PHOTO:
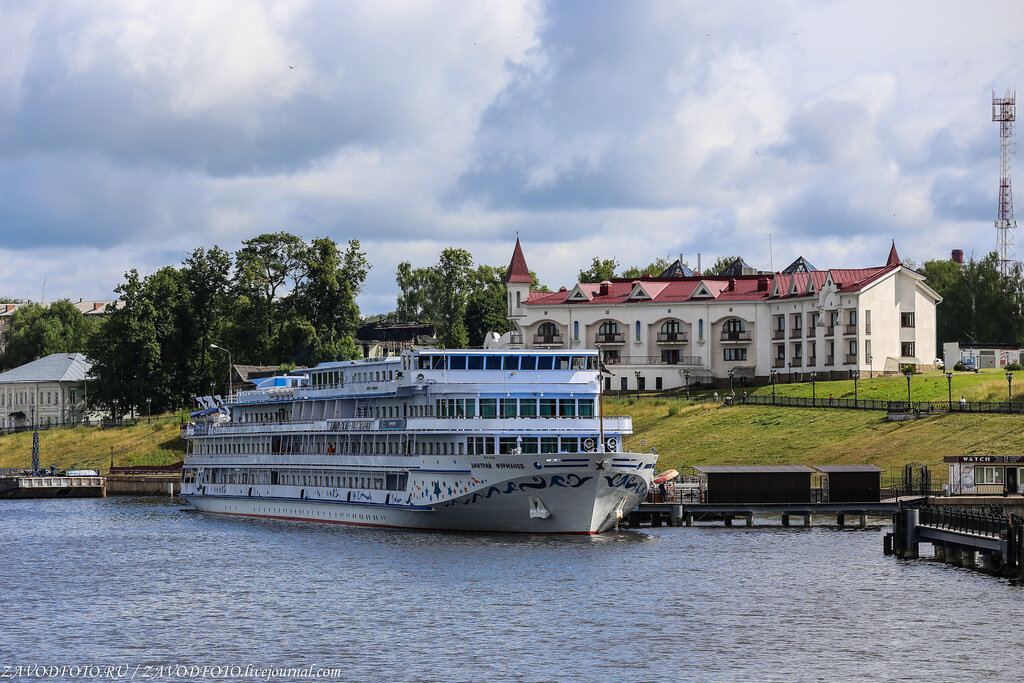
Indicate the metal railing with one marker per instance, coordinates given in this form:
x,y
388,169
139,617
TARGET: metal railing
x,y
734,336
778,334
830,330
547,339
964,521
610,337
779,363
849,329
918,407
694,361
671,337
810,331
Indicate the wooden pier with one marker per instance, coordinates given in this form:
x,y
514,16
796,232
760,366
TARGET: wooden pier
x,y
676,514
962,537
52,487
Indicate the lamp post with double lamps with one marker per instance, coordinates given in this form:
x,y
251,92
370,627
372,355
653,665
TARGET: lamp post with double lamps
x,y
1009,390
774,376
637,375
686,378
732,373
814,376
949,387
856,376
231,386
909,373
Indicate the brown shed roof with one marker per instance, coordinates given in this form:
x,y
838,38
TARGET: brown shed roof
x,y
752,469
825,469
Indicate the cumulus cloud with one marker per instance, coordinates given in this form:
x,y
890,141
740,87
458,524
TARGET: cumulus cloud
x,y
131,132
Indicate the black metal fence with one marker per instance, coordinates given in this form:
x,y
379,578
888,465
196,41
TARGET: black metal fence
x,y
916,407
965,521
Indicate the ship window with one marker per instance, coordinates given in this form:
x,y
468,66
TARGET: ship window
x,y
511,362
530,445
570,444
579,362
549,444
470,407
422,362
528,363
437,362
494,362
458,362
586,407
451,407
567,407
547,407
507,444
508,407
460,407
527,407
545,362
475,362
561,362
488,407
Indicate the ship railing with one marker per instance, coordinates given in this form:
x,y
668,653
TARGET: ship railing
x,y
417,424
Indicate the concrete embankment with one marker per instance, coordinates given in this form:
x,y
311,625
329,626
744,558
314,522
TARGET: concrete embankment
x,y
143,485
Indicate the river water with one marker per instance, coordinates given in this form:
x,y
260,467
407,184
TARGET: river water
x,y
140,584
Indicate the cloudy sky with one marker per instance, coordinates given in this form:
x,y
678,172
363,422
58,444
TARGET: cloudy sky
x,y
131,132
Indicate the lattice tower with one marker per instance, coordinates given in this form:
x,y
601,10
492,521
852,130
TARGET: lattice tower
x,y
1004,111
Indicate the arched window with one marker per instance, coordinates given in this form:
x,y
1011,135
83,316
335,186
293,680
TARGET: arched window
x,y
670,327
547,330
519,299
734,325
638,330
700,329
576,330
608,327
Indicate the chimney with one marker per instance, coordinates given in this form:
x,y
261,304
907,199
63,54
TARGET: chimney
x,y
605,288
97,305
698,263
732,285
958,256
762,284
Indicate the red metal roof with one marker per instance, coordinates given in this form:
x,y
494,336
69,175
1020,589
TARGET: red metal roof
x,y
894,258
517,270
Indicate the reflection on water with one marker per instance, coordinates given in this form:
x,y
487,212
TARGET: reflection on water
x,y
139,581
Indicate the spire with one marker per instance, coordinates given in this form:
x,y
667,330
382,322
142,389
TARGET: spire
x,y
517,269
894,258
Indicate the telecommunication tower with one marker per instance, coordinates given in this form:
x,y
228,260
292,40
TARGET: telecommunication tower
x,y
1004,111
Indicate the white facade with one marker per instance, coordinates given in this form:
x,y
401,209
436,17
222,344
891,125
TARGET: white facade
x,y
662,333
47,392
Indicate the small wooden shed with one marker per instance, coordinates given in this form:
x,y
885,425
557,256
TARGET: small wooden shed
x,y
757,484
851,483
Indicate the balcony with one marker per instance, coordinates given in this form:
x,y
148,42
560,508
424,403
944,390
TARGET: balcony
x,y
610,338
547,340
515,338
796,333
779,363
778,334
810,331
830,360
830,330
850,359
671,337
796,361
671,359
849,330
812,361
734,336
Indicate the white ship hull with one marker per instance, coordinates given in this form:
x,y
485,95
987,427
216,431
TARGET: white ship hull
x,y
588,497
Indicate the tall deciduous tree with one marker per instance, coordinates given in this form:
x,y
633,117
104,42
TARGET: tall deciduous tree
x,y
599,271
36,331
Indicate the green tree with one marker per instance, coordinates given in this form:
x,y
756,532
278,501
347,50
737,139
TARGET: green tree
x,y
205,278
449,281
655,267
721,263
486,304
599,271
36,331
124,352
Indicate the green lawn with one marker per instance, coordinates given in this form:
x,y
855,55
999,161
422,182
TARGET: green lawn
x,y
985,385
766,435
90,448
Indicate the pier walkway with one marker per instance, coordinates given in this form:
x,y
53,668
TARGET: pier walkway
x,y
962,537
52,487
676,514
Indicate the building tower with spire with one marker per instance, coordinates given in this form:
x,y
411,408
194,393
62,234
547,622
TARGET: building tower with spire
x,y
1004,112
517,282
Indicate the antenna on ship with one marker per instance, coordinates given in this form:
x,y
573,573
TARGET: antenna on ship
x,y
600,399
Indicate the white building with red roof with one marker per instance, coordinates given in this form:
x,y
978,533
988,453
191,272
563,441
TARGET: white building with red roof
x,y
662,332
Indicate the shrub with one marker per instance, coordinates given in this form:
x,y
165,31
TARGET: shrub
x,y
673,410
959,367
1014,367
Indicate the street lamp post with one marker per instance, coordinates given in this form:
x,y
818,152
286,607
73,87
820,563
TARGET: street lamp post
x,y
1009,390
231,387
149,410
732,373
908,373
686,377
637,375
774,376
856,376
814,376
949,387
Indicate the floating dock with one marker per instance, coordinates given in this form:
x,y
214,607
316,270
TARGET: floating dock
x,y
52,487
676,514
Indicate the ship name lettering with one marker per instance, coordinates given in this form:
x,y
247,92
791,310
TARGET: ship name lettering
x,y
511,466
480,464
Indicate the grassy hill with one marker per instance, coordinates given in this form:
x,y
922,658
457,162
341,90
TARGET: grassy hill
x,y
766,435
985,385
90,448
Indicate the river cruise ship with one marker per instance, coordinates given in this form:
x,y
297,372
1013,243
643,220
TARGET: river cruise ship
x,y
474,440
